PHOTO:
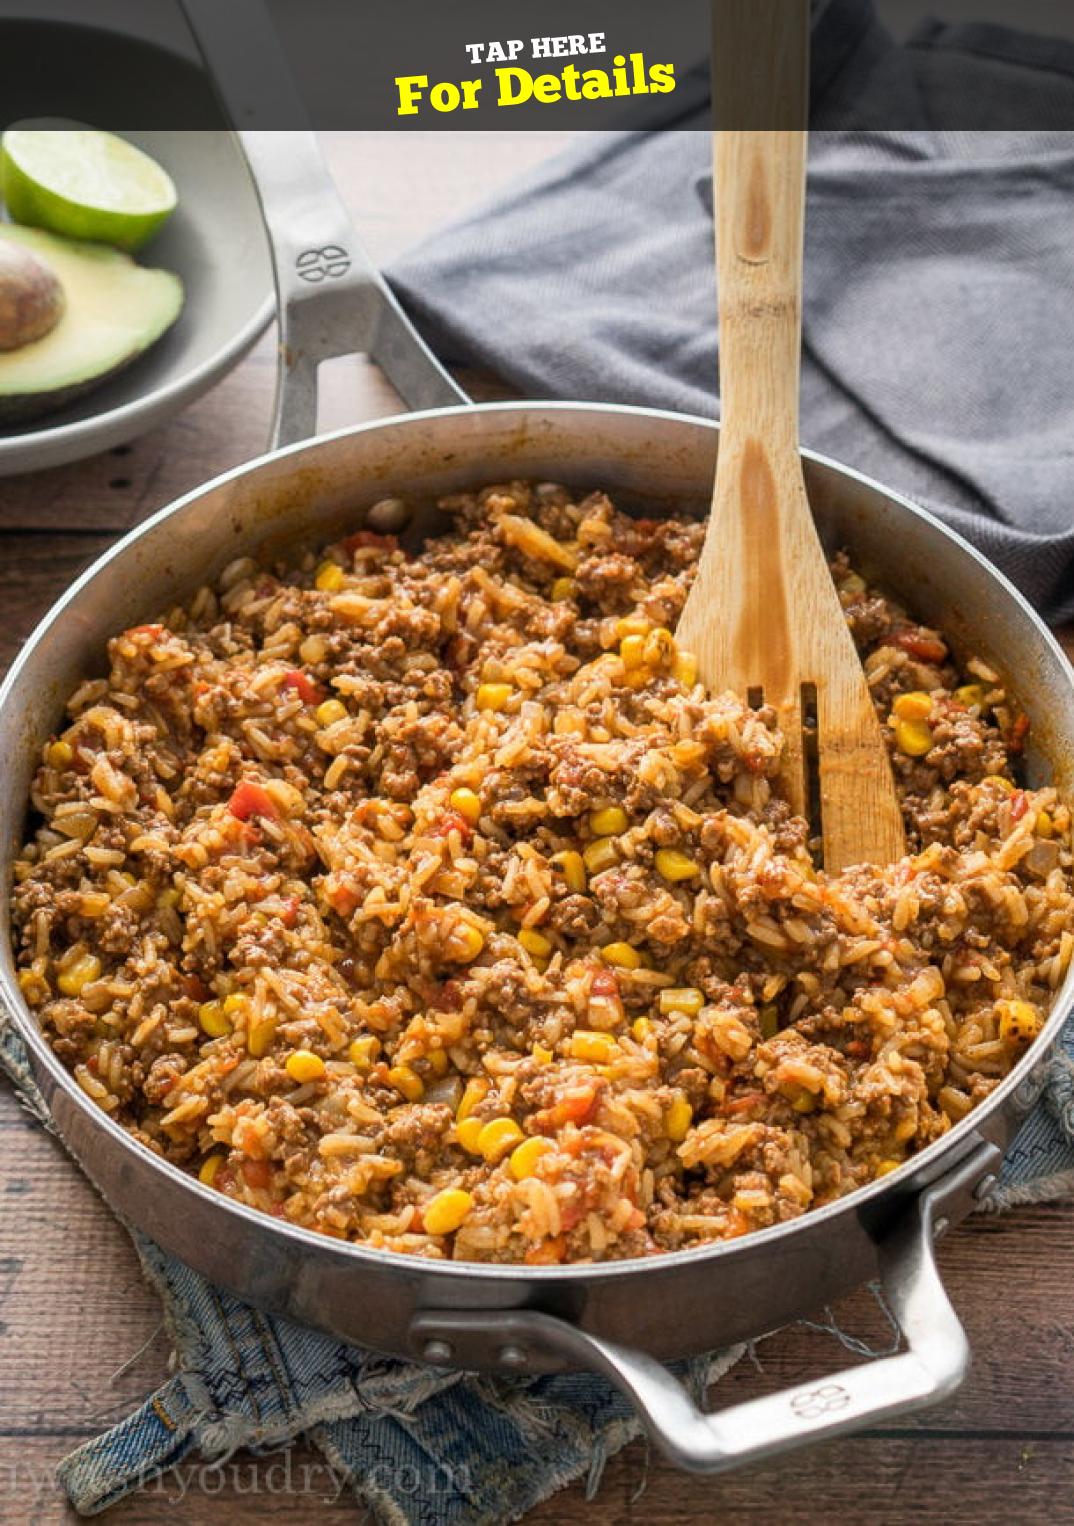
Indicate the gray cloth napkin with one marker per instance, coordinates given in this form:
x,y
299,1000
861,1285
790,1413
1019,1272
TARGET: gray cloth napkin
x,y
939,314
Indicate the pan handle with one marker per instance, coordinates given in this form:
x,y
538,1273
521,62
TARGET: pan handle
x,y
931,1366
331,299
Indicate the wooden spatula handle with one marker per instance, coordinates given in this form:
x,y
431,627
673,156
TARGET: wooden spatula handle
x,y
759,184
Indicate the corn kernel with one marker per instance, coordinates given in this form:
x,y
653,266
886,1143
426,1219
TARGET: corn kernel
x,y
466,943
213,1019
596,1048
329,577
59,754
659,648
236,1002
313,650
885,1167
79,973
167,898
493,696
438,1061
535,943
562,588
608,821
686,999
632,625
362,1052
467,1132
542,1054
331,711
971,694
671,865
524,1157
572,867
916,706
1045,825
677,1120
622,956
259,1038
641,1028
1000,782
1019,1022
497,1138
33,986
407,1081
912,737
302,1066
467,804
632,651
443,1214
475,1091
600,855
209,1167
684,668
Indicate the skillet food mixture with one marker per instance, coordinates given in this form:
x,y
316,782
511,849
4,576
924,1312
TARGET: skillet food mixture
x,y
429,902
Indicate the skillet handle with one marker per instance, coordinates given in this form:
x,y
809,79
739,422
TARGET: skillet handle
x,y
331,299
931,1366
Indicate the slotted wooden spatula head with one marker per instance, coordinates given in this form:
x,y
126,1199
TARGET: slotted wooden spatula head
x,y
763,615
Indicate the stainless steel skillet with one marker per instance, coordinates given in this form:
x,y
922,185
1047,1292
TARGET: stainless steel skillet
x,y
626,1318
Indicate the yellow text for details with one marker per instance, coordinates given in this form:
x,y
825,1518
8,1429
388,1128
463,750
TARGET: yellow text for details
x,y
517,86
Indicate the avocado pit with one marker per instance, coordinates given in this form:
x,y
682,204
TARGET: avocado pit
x,y
31,298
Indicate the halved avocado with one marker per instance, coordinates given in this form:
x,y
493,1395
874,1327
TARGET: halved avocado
x,y
114,311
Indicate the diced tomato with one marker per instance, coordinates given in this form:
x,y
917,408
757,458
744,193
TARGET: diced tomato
x,y
289,915
145,630
857,1049
571,1215
343,899
257,1173
744,1103
646,526
548,1253
194,987
920,644
364,538
450,822
250,799
576,1107
1019,805
1019,731
604,983
308,691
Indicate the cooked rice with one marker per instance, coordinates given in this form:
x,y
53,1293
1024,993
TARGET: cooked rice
x,y
702,1034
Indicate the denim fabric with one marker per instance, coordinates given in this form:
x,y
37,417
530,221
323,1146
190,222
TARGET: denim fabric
x,y
418,1446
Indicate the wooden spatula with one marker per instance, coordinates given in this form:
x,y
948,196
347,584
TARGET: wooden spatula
x,y
763,616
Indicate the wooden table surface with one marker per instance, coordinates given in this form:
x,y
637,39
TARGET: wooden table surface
x,y
80,1334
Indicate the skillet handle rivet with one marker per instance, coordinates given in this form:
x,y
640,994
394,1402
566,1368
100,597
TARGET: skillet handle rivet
x,y
512,1356
439,1353
940,1227
984,1187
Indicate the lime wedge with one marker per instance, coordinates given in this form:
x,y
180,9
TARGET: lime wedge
x,y
84,184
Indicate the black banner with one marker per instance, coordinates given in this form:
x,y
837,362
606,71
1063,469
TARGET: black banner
x,y
471,65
